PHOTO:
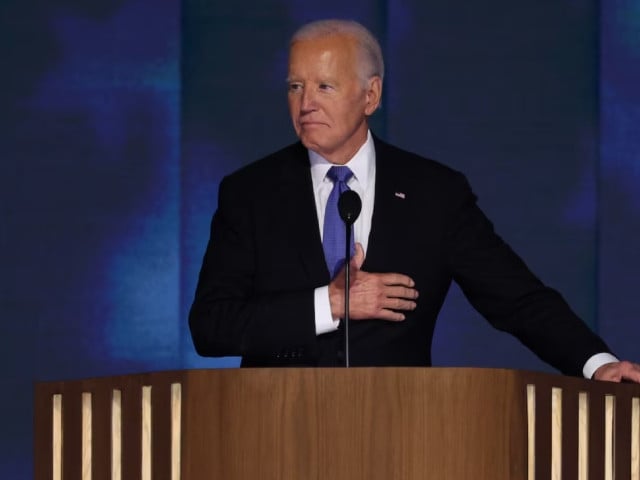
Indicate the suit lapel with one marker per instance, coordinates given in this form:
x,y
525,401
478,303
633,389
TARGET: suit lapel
x,y
299,205
389,212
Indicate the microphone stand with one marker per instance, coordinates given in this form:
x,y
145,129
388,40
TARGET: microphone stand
x,y
349,206
347,284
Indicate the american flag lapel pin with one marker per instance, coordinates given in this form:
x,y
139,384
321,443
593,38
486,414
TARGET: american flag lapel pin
x,y
400,195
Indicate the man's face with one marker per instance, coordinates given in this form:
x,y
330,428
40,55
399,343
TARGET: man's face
x,y
328,101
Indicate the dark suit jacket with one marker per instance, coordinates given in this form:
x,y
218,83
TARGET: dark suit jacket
x,y
264,260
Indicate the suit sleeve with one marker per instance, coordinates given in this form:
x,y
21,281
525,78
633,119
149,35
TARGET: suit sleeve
x,y
503,289
231,314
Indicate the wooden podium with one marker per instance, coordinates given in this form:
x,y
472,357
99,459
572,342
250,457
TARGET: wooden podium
x,y
351,424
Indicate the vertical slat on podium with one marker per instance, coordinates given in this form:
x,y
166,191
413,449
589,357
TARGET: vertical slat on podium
x,y
86,436
116,434
531,432
609,420
583,436
556,433
635,438
176,431
57,437
147,432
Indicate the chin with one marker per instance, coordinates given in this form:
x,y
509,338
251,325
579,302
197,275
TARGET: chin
x,y
309,142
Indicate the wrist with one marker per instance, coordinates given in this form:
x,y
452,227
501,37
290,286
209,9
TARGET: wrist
x,y
336,301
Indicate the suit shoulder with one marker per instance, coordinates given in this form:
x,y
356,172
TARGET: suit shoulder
x,y
409,162
284,158
270,166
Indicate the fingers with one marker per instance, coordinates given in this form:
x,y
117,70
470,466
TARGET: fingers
x,y
394,313
397,295
381,296
630,371
391,279
390,316
358,257
618,371
400,298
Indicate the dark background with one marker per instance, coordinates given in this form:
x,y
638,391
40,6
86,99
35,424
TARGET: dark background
x,y
119,118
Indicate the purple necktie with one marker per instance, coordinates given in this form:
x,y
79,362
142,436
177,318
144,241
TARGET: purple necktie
x,y
334,236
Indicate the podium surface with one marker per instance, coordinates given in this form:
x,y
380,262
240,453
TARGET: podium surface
x,y
356,423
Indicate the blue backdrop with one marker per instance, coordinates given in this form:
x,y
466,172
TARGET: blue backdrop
x,y
120,117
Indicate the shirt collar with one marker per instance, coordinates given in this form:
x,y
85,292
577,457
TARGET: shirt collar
x,y
362,164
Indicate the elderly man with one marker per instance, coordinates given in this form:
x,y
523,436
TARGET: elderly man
x,y
271,288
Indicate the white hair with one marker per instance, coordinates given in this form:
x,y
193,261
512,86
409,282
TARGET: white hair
x,y
370,58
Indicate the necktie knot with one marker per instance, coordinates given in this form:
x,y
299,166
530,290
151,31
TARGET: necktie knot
x,y
339,174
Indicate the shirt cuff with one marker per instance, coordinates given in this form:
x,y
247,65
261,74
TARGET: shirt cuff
x,y
325,323
595,362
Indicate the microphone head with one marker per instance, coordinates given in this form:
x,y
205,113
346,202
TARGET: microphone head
x,y
349,206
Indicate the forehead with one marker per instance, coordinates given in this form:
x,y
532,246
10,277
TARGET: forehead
x,y
335,52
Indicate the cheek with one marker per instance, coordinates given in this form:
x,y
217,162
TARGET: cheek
x,y
350,115
293,111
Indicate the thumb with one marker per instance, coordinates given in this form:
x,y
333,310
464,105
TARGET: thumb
x,y
358,257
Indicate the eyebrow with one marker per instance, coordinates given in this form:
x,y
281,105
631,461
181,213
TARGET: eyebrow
x,y
330,80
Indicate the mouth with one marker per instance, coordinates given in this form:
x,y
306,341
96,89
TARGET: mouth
x,y
308,124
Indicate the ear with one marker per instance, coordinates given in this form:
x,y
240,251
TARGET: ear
x,y
373,95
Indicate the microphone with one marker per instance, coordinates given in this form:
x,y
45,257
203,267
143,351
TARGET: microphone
x,y
349,206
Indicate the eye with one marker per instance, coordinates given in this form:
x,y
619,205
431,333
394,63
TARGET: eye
x,y
325,87
294,87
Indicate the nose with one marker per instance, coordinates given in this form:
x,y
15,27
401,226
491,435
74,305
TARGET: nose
x,y
308,101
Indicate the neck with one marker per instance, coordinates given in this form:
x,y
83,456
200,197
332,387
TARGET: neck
x,y
344,155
